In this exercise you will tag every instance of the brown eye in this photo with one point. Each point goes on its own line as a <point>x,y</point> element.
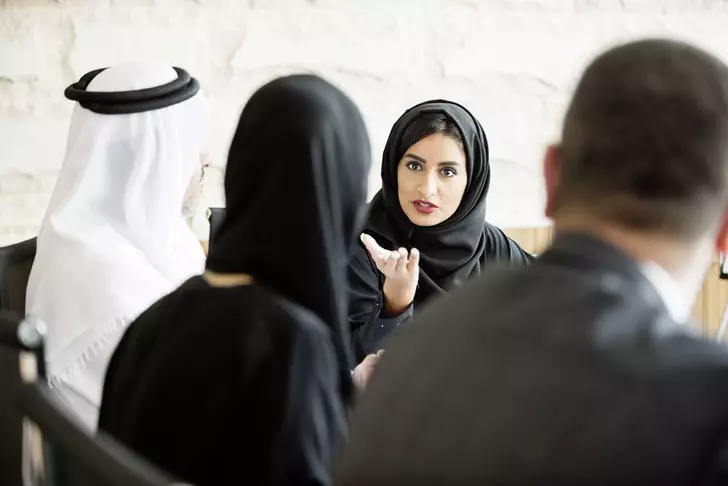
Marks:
<point>449,172</point>
<point>414,166</point>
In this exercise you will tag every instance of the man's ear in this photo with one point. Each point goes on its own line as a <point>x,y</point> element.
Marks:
<point>552,177</point>
<point>721,239</point>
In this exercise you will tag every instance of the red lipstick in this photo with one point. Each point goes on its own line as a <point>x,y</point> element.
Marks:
<point>424,207</point>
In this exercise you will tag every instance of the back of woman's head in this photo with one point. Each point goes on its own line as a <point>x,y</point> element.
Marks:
<point>297,164</point>
<point>295,187</point>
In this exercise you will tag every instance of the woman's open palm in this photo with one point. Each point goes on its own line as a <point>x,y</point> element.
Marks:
<point>399,267</point>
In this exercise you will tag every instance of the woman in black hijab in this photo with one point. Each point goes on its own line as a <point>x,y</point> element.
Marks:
<point>241,375</point>
<point>426,232</point>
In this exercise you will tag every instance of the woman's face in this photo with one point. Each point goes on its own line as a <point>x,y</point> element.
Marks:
<point>431,179</point>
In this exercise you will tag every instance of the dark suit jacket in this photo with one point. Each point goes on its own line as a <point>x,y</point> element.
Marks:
<point>567,372</point>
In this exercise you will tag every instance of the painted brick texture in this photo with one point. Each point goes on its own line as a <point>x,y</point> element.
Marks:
<point>513,62</point>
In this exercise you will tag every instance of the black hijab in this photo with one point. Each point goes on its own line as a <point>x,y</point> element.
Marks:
<point>452,251</point>
<point>296,187</point>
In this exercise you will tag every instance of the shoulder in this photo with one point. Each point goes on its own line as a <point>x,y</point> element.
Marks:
<point>685,348</point>
<point>498,246</point>
<point>494,235</point>
<point>292,321</point>
<point>144,327</point>
<point>169,301</point>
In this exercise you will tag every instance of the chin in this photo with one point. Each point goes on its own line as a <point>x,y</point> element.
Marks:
<point>423,219</point>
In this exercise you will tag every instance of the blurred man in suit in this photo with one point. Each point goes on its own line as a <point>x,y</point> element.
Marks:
<point>580,369</point>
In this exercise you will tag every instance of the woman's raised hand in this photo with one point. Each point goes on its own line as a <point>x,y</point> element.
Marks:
<point>401,272</point>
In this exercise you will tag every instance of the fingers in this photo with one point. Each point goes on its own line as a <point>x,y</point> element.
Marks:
<point>364,370</point>
<point>376,251</point>
<point>403,253</point>
<point>397,262</point>
<point>401,260</point>
<point>371,359</point>
<point>391,263</point>
<point>414,259</point>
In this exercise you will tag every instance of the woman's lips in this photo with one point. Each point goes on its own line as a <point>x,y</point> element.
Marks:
<point>424,207</point>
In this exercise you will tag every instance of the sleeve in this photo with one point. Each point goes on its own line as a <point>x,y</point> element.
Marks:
<point>367,325</point>
<point>500,248</point>
<point>312,428</point>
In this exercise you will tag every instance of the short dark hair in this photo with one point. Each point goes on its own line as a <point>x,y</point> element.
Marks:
<point>425,125</point>
<point>645,139</point>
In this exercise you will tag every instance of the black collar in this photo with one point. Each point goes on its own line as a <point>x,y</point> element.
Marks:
<point>589,254</point>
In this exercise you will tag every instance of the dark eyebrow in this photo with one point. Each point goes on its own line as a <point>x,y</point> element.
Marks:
<point>421,159</point>
<point>416,157</point>
<point>447,163</point>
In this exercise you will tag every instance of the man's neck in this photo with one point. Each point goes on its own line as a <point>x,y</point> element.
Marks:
<point>686,261</point>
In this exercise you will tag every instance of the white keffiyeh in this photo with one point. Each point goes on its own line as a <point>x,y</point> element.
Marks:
<point>114,240</point>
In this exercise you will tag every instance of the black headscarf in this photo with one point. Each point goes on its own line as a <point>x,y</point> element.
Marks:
<point>296,188</point>
<point>452,251</point>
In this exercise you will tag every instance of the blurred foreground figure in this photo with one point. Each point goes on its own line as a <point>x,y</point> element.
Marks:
<point>580,369</point>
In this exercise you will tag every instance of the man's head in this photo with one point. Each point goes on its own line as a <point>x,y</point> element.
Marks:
<point>645,143</point>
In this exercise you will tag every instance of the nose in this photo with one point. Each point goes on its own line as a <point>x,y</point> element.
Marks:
<point>428,186</point>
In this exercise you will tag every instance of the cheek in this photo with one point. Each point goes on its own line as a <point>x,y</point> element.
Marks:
<point>455,191</point>
<point>404,181</point>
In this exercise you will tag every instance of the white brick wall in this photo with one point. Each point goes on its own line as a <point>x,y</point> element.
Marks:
<point>513,62</point>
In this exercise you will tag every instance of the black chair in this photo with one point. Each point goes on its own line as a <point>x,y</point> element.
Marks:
<point>215,216</point>
<point>56,450</point>
<point>15,264</point>
<point>11,420</point>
